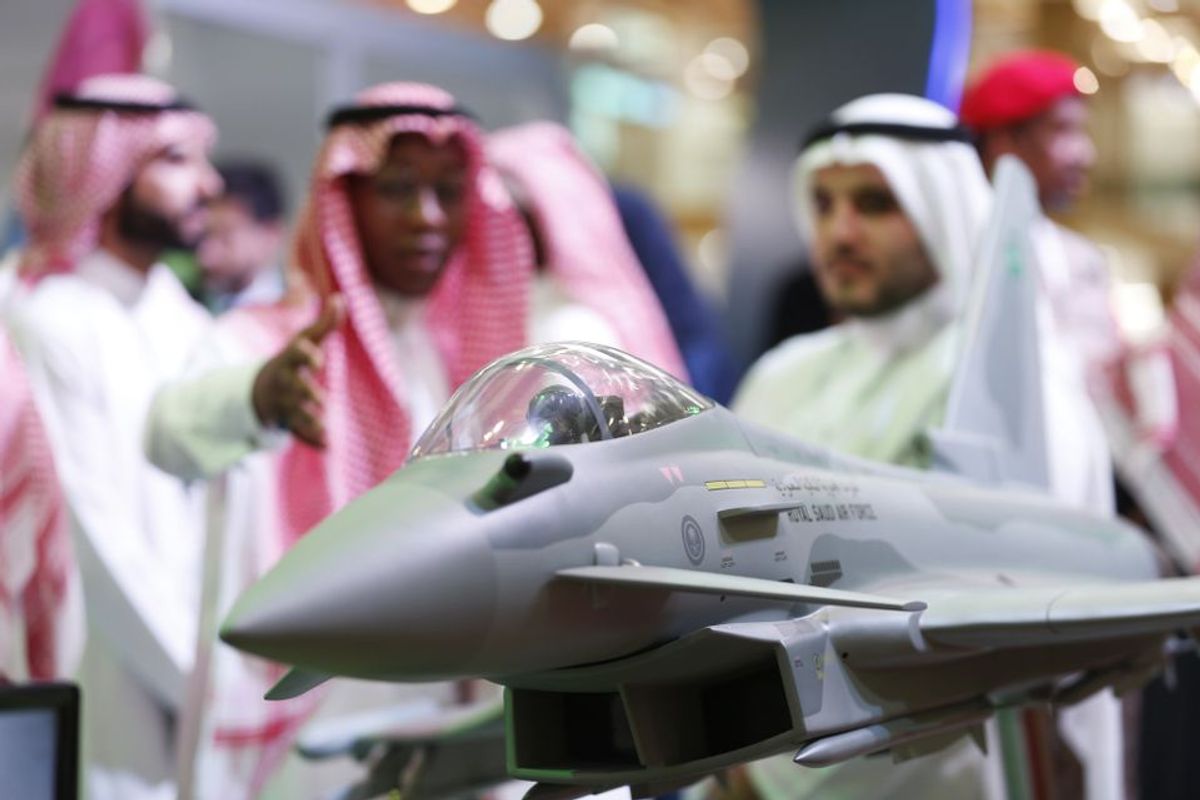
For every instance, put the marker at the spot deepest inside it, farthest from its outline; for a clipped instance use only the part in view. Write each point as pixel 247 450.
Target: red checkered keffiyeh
pixel 475 313
pixel 587 251
pixel 80 159
pixel 35 547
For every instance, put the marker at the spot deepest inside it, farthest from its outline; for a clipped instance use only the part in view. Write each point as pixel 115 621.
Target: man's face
pixel 1058 150
pixel 412 213
pixel 237 247
pixel 867 255
pixel 166 205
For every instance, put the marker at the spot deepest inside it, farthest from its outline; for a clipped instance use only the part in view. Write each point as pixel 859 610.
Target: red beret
pixel 1019 86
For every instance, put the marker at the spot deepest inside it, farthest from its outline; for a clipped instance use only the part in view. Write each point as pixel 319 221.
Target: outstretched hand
pixel 286 393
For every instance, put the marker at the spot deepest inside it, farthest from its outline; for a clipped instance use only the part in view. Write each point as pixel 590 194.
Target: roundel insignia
pixel 693 540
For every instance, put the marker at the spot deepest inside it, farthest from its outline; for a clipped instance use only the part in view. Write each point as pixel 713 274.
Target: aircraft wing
pixel 687 580
pixel 973 620
pixel 1027 617
pixel 1010 616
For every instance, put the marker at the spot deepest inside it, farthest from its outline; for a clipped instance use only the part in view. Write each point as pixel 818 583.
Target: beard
pixel 147 227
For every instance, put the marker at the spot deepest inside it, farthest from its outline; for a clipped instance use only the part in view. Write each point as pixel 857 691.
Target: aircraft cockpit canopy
pixel 561 393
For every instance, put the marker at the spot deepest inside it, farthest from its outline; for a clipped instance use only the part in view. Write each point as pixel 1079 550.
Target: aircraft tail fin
pixel 994 428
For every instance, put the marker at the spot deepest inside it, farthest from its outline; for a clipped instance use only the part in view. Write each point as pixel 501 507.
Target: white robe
pixel 869 388
pixel 97 344
pixel 1079 339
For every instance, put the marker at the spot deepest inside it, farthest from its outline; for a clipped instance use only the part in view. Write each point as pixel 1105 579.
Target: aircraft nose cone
pixel 393 586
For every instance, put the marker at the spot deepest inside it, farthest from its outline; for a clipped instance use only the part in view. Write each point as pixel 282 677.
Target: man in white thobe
pixel 890 198
pixel 115 174
pixel 891 224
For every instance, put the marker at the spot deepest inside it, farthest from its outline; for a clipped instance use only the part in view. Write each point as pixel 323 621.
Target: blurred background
pixel 701 105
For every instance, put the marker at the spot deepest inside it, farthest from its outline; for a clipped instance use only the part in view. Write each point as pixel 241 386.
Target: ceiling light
pixel 431 6
pixel 1156 45
pixel 1120 22
pixel 718 66
pixel 513 20
pixel 1186 61
pixel 1088 9
pixel 594 36
pixel 1085 81
pixel 732 51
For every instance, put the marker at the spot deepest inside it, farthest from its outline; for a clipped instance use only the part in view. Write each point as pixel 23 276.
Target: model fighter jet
pixel 665 590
